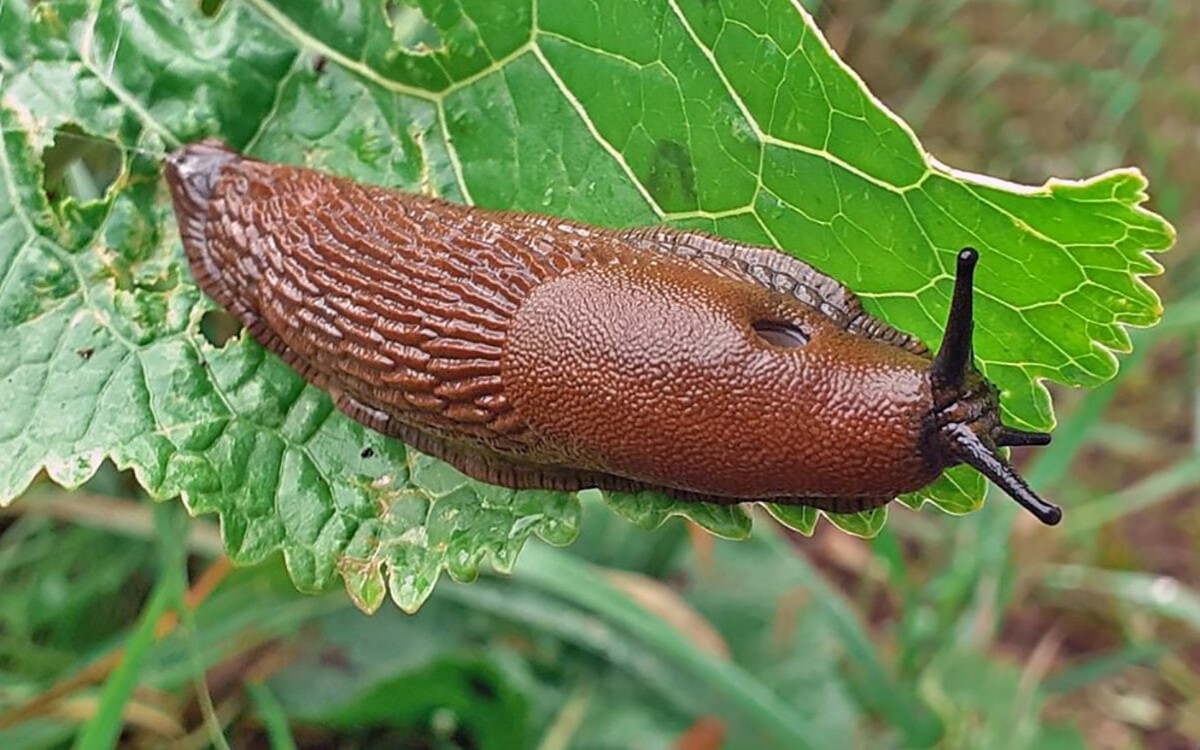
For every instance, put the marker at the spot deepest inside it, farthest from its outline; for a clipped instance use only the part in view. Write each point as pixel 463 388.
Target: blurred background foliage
pixel 986 631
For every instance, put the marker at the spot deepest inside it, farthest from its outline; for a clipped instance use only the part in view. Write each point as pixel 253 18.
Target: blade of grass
pixel 886 548
pixel 1094 670
pixel 1159 487
pixel 877 688
pixel 119 516
pixel 545 613
pixel 101 731
pixel 270 713
pixel 569 579
pixel 570 717
pixel 203 588
pixel 1149 593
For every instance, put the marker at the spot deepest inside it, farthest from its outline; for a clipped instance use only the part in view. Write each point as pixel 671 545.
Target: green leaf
pixel 649 510
pixel 731 116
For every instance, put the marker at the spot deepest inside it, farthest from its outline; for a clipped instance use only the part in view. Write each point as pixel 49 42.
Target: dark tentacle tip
pixel 1050 516
pixel 967 258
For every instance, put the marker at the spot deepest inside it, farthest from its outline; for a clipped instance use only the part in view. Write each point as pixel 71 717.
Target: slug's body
pixel 530 351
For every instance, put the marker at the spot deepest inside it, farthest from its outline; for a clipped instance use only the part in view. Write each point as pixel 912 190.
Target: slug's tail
pixel 192 172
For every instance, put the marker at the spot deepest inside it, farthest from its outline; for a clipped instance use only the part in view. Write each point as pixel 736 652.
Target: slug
pixel 535 352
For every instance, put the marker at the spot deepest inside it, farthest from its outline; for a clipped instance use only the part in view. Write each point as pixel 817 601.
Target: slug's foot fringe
pixel 837 505
pixel 486 466
pixel 495 469
pixel 358 411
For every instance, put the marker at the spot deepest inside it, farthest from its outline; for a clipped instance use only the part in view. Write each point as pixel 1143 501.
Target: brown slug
pixel 530 351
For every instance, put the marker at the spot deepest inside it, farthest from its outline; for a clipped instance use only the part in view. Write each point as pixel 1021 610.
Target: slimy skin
pixel 652 370
pixel 530 351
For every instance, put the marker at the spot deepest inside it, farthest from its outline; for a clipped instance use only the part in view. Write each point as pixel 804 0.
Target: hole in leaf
pixel 211 8
pixel 218 326
pixel 411 30
pixel 481 687
pixel 79 166
pixel 779 333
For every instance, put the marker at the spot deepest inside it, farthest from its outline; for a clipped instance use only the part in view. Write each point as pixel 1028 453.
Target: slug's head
pixel 965 425
pixel 192 173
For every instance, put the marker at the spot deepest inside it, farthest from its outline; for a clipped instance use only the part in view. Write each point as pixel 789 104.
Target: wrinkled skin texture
pixel 530 351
